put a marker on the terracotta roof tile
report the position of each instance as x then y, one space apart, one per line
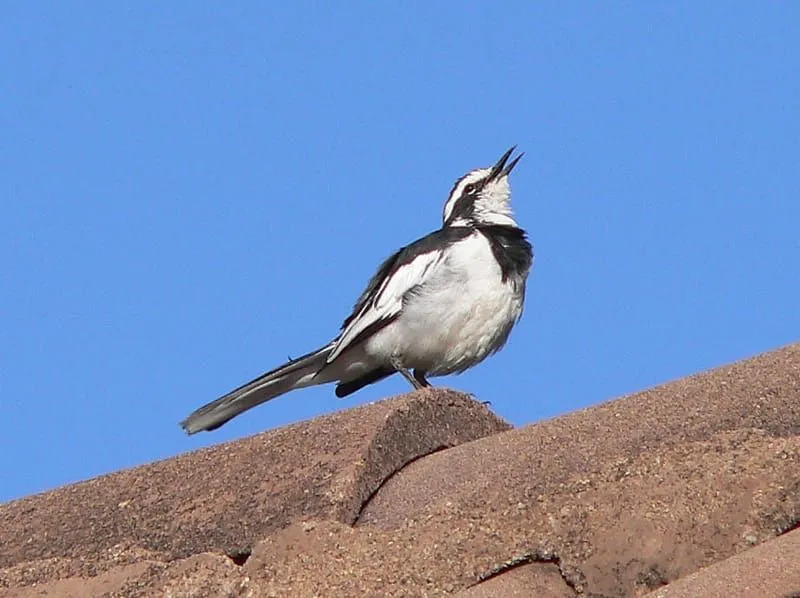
770 569
627 495
226 498
616 500
531 579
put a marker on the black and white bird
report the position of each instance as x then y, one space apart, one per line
437 306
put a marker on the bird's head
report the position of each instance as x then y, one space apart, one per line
482 196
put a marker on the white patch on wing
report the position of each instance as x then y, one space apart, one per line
388 299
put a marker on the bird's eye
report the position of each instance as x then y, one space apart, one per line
469 188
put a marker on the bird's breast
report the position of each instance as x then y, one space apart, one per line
461 313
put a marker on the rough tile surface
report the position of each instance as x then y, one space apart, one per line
693 482
769 569
226 498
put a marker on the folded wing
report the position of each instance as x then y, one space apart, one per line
382 301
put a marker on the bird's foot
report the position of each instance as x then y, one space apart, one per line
397 365
419 376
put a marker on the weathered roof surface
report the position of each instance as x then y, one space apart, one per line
770 569
225 499
665 486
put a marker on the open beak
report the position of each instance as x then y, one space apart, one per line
503 169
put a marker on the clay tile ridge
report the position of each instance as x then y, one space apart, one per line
684 489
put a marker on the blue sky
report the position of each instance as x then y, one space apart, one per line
192 192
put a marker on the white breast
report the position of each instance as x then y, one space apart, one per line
462 313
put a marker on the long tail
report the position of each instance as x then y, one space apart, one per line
296 373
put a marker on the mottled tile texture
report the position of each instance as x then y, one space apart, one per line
688 489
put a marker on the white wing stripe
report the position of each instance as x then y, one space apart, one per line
388 301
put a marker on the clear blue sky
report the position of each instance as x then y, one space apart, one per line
192 192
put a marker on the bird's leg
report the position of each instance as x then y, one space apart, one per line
397 365
419 375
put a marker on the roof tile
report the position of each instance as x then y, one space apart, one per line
616 500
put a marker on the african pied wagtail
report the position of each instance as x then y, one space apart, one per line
438 306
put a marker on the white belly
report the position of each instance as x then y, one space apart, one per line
461 315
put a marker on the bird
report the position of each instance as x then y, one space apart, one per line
435 307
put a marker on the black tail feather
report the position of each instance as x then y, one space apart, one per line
294 374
